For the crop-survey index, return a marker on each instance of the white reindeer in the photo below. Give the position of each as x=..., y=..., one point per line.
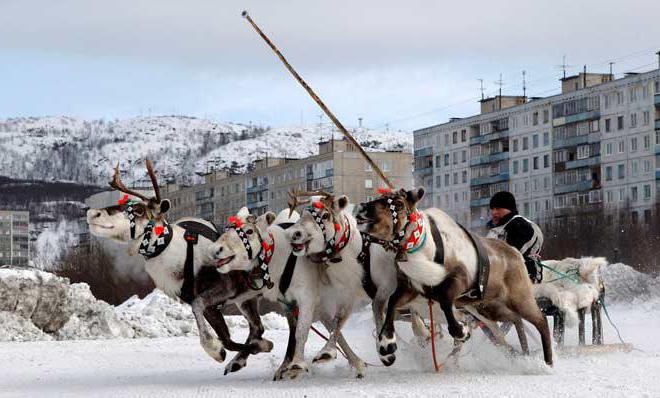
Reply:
x=294, y=281
x=142, y=224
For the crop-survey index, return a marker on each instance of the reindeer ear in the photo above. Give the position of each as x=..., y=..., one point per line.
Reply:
x=270, y=217
x=414, y=196
x=342, y=202
x=251, y=218
x=165, y=205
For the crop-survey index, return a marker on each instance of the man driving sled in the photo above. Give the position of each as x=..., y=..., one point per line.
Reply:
x=507, y=225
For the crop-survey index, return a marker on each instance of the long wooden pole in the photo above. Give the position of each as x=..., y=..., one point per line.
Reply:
x=319, y=102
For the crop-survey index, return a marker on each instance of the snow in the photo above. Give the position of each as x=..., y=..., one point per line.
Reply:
x=172, y=363
x=86, y=151
x=179, y=367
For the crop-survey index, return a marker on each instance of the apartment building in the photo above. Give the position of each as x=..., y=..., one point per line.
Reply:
x=14, y=238
x=593, y=148
x=338, y=167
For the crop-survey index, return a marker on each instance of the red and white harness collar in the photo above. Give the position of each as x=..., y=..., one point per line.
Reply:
x=345, y=236
x=418, y=235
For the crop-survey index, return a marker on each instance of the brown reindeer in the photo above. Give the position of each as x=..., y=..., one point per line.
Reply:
x=441, y=263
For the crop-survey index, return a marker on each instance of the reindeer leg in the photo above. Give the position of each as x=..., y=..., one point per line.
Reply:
x=304, y=322
x=355, y=361
x=446, y=294
x=329, y=351
x=210, y=344
x=529, y=311
x=386, y=338
x=291, y=345
x=250, y=310
x=522, y=337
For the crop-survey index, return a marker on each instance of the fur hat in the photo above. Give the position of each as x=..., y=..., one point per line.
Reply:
x=504, y=200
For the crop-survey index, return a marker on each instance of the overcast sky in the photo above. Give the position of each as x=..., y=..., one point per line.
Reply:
x=407, y=63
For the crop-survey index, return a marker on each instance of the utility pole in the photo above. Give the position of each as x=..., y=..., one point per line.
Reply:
x=524, y=86
x=611, y=74
x=481, y=83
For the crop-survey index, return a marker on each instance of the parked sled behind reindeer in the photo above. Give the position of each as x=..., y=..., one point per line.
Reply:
x=175, y=254
x=443, y=262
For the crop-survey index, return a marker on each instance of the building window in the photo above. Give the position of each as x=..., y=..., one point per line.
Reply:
x=633, y=120
x=647, y=192
x=646, y=118
x=438, y=181
x=438, y=161
x=525, y=145
x=647, y=166
x=463, y=135
x=454, y=137
x=386, y=165
x=515, y=167
x=622, y=146
x=647, y=142
x=447, y=179
x=647, y=216
x=368, y=184
x=535, y=163
x=621, y=171
x=515, y=145
x=546, y=161
x=455, y=178
x=525, y=165
x=464, y=179
x=464, y=156
x=619, y=123
x=535, y=141
x=633, y=144
x=535, y=118
x=446, y=159
x=367, y=166
x=583, y=151
x=608, y=197
x=607, y=125
x=608, y=173
x=634, y=168
x=546, y=138
x=633, y=194
x=546, y=116
x=608, y=149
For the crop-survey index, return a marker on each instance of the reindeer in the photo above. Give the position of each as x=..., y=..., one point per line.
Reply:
x=442, y=264
x=294, y=283
x=175, y=267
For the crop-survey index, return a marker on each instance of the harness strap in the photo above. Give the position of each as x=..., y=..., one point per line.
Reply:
x=365, y=259
x=287, y=275
x=188, y=287
x=483, y=268
x=200, y=229
x=439, y=257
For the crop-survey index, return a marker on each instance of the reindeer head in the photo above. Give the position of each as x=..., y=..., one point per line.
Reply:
x=318, y=222
x=387, y=216
x=126, y=220
x=241, y=242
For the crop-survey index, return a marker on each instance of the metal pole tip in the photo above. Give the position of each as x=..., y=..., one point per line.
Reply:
x=244, y=14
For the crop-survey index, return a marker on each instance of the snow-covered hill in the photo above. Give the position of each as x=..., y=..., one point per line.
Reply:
x=85, y=151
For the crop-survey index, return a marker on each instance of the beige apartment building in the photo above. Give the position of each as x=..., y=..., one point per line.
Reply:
x=338, y=168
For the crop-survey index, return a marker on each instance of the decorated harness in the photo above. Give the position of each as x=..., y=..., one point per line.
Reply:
x=263, y=257
x=333, y=245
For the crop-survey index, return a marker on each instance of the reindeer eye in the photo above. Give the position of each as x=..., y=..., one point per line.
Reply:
x=326, y=216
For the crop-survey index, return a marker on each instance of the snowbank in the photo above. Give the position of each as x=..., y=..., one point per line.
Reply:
x=36, y=305
x=623, y=284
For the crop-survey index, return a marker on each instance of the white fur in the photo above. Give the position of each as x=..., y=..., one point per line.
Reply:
x=565, y=294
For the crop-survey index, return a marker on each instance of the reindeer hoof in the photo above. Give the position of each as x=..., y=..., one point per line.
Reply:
x=236, y=364
x=388, y=360
x=295, y=370
x=223, y=354
x=387, y=349
x=325, y=356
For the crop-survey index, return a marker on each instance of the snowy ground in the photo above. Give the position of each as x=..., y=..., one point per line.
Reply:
x=179, y=367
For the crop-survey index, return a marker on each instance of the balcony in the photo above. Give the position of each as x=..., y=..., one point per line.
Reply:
x=479, y=202
x=428, y=151
x=423, y=171
x=657, y=100
x=578, y=117
x=257, y=188
x=489, y=180
x=574, y=164
x=577, y=187
x=482, y=139
x=571, y=141
x=492, y=158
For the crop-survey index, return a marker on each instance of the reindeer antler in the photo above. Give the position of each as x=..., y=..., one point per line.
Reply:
x=294, y=196
x=119, y=186
x=152, y=175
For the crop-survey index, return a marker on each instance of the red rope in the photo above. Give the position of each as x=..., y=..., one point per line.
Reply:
x=436, y=366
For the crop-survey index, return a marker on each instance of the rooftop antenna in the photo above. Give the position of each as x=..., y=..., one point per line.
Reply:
x=500, y=83
x=611, y=74
x=564, y=66
x=524, y=85
x=360, y=121
x=481, y=83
